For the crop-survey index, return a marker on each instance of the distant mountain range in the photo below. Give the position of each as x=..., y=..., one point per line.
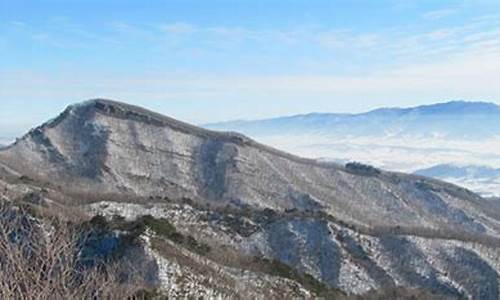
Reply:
x=402, y=139
x=456, y=119
x=451, y=171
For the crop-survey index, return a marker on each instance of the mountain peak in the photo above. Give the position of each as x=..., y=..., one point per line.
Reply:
x=87, y=110
x=118, y=109
x=83, y=126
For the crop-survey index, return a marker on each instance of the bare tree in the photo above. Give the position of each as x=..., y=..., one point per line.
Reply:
x=41, y=258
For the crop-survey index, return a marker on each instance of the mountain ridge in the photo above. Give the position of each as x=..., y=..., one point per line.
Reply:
x=450, y=170
x=124, y=110
x=449, y=107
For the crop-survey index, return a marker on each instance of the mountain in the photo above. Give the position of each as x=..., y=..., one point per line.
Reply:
x=452, y=171
x=448, y=108
x=469, y=119
x=398, y=139
x=480, y=178
x=421, y=120
x=268, y=217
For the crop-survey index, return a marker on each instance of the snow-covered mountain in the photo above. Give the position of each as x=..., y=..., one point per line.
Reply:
x=400, y=139
x=272, y=221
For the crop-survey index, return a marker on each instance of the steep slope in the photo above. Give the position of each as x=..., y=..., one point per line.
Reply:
x=353, y=227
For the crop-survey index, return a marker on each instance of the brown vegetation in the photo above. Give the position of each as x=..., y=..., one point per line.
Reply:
x=43, y=258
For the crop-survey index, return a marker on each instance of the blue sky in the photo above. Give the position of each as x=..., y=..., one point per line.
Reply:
x=204, y=61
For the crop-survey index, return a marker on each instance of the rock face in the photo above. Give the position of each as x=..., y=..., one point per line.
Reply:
x=352, y=227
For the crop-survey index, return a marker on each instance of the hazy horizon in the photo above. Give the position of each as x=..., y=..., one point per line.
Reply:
x=8, y=132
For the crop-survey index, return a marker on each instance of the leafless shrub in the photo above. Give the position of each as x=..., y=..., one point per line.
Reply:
x=42, y=258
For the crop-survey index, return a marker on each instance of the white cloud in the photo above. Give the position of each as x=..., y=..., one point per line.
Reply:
x=396, y=64
x=18, y=24
x=470, y=75
x=179, y=28
x=440, y=13
x=389, y=45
